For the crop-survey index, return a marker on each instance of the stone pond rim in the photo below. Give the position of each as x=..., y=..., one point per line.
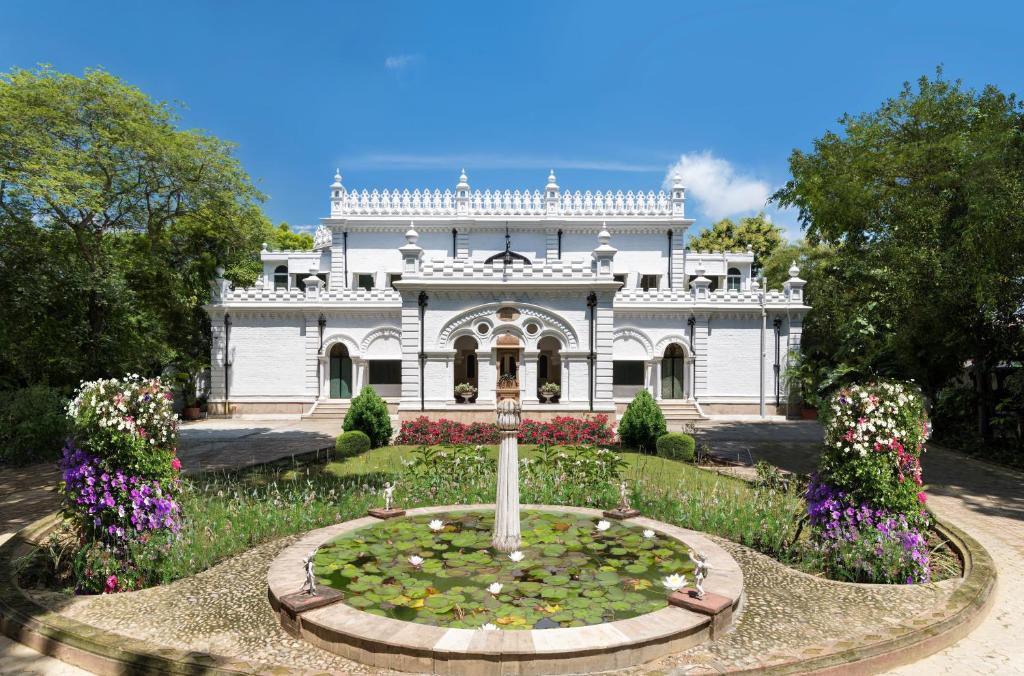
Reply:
x=407, y=646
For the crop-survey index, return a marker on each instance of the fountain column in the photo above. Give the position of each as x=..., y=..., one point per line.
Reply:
x=506, y=515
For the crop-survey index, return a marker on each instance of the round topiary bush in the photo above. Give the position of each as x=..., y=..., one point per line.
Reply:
x=642, y=423
x=369, y=414
x=677, y=446
x=350, y=444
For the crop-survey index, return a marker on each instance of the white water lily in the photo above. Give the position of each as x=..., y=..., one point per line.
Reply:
x=674, y=582
x=517, y=556
x=416, y=560
x=495, y=588
x=436, y=525
x=648, y=533
x=488, y=627
x=603, y=525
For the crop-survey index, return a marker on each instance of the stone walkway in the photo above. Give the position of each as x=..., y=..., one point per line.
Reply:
x=984, y=500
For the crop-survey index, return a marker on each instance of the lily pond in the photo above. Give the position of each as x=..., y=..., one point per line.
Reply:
x=440, y=570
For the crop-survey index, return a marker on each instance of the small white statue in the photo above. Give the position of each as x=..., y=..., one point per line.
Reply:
x=700, y=571
x=389, y=494
x=310, y=585
x=623, y=497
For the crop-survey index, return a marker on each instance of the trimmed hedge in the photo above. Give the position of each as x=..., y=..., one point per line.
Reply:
x=642, y=423
x=369, y=414
x=33, y=425
x=677, y=446
x=350, y=444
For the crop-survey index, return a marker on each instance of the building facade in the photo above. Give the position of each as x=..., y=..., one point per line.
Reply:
x=417, y=292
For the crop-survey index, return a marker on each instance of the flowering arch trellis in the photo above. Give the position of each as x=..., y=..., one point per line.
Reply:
x=120, y=475
x=866, y=503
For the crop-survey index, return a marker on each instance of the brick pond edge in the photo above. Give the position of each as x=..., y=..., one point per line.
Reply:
x=104, y=652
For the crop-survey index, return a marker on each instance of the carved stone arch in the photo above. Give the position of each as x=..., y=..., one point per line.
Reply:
x=381, y=332
x=335, y=338
x=684, y=342
x=502, y=330
x=631, y=333
x=545, y=317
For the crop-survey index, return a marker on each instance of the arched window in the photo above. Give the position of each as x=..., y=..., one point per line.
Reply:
x=281, y=277
x=732, y=281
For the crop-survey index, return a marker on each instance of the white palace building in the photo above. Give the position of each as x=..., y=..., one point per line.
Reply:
x=416, y=292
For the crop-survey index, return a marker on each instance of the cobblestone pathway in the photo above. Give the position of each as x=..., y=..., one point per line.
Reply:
x=986, y=501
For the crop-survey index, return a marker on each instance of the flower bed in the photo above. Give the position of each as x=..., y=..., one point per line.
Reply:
x=562, y=430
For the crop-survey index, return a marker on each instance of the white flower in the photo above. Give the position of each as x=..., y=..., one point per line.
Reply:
x=495, y=588
x=436, y=525
x=603, y=525
x=416, y=560
x=674, y=582
x=488, y=627
x=517, y=556
x=648, y=533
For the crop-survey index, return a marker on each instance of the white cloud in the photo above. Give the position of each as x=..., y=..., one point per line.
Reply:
x=717, y=187
x=400, y=61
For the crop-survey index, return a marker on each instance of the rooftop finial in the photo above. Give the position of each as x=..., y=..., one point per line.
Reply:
x=794, y=270
x=604, y=236
x=677, y=180
x=552, y=182
x=337, y=179
x=463, y=181
x=411, y=235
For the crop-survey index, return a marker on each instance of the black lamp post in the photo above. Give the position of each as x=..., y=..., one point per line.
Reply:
x=692, y=323
x=422, y=302
x=778, y=328
x=321, y=324
x=227, y=365
x=592, y=306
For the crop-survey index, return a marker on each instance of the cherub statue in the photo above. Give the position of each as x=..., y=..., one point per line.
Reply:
x=310, y=585
x=623, y=497
x=389, y=494
x=700, y=571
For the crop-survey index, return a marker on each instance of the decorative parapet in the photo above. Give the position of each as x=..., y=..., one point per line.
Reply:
x=356, y=296
x=322, y=238
x=461, y=268
x=467, y=203
x=669, y=297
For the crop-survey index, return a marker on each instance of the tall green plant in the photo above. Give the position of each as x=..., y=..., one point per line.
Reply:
x=642, y=423
x=369, y=414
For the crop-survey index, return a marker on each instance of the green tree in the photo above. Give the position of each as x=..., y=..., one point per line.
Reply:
x=758, y=232
x=368, y=413
x=245, y=271
x=642, y=423
x=112, y=220
x=922, y=201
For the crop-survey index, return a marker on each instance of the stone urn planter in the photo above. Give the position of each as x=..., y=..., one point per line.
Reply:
x=549, y=391
x=465, y=392
x=190, y=413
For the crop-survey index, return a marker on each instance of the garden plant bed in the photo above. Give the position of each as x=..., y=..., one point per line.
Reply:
x=376, y=639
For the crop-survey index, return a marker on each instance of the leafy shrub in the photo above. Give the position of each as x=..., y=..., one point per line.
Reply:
x=677, y=446
x=860, y=544
x=369, y=414
x=642, y=423
x=350, y=444
x=33, y=425
x=874, y=438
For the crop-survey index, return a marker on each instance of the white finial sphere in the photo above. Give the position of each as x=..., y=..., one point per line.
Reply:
x=754, y=285
x=411, y=235
x=219, y=271
x=794, y=270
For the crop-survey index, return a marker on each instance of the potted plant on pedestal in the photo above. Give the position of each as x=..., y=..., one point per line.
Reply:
x=549, y=391
x=465, y=392
x=187, y=379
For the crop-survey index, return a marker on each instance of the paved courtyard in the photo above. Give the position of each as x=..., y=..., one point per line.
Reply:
x=985, y=500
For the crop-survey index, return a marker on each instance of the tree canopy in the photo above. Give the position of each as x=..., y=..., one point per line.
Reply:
x=922, y=204
x=757, y=232
x=112, y=220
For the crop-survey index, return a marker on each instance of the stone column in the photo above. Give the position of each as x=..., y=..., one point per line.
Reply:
x=528, y=367
x=359, y=375
x=657, y=379
x=506, y=516
x=486, y=376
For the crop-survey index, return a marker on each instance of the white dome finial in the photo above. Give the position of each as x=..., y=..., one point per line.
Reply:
x=794, y=270
x=677, y=180
x=463, y=181
x=337, y=179
x=604, y=236
x=411, y=236
x=552, y=181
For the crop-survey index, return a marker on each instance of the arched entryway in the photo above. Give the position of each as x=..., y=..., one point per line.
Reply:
x=507, y=356
x=340, y=372
x=673, y=372
x=466, y=370
x=549, y=365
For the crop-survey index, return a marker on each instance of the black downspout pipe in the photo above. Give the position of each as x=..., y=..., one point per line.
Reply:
x=455, y=243
x=321, y=324
x=344, y=255
x=227, y=381
x=778, y=328
x=670, y=258
x=422, y=301
x=692, y=323
x=559, y=243
x=592, y=304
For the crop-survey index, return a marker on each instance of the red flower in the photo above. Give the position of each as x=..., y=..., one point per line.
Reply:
x=922, y=498
x=175, y=464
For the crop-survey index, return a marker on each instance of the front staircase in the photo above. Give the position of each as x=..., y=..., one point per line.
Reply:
x=680, y=412
x=331, y=409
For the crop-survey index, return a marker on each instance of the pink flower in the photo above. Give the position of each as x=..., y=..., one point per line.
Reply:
x=175, y=464
x=922, y=498
x=111, y=585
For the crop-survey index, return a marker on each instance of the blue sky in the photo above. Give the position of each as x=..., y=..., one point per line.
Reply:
x=610, y=95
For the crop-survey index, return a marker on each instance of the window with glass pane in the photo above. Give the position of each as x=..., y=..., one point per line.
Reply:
x=732, y=280
x=364, y=281
x=385, y=371
x=648, y=282
x=281, y=277
x=628, y=373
